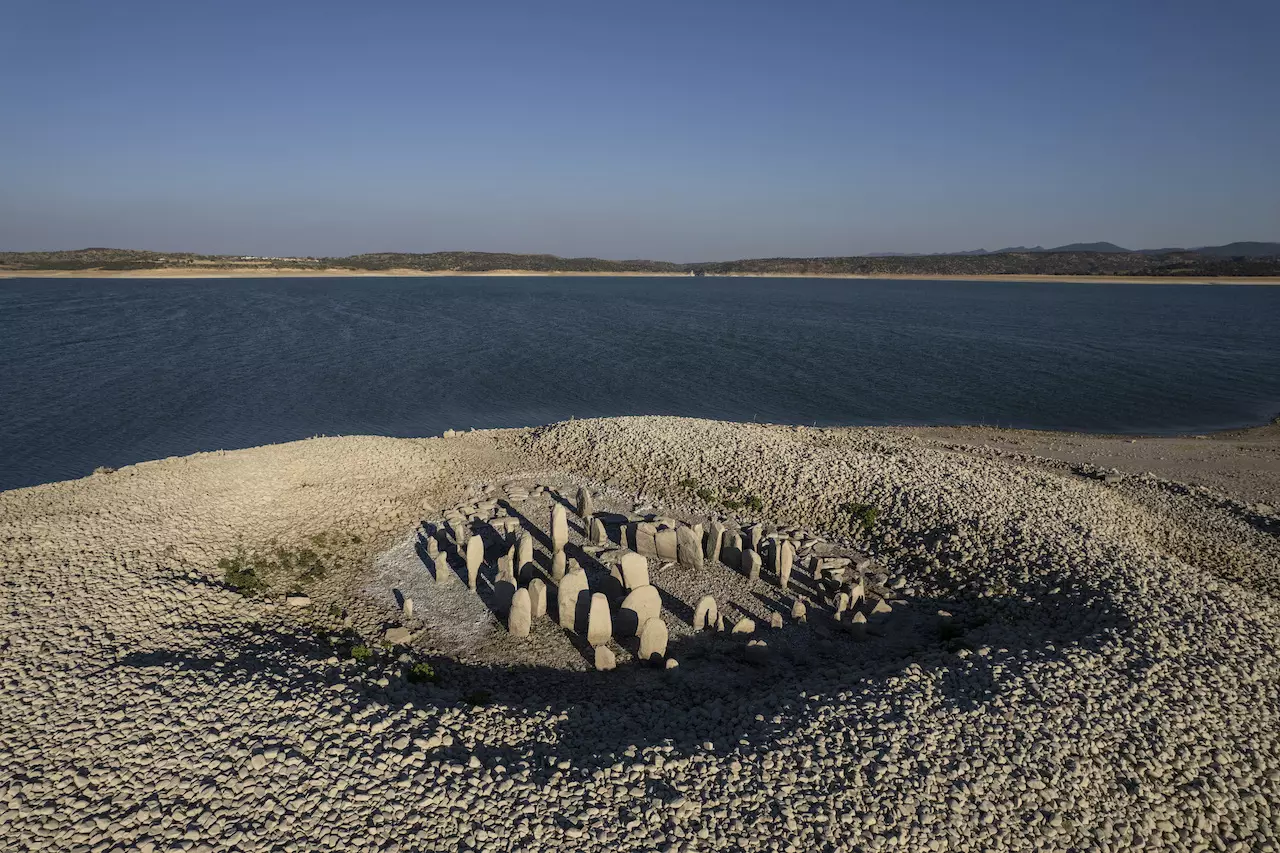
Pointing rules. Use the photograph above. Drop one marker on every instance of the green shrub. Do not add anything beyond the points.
(706, 495)
(240, 573)
(753, 503)
(422, 672)
(864, 515)
(688, 483)
(360, 654)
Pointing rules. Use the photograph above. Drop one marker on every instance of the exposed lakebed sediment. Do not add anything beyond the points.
(1108, 679)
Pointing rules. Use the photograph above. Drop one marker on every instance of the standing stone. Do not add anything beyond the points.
(646, 538)
(842, 603)
(586, 506)
(641, 604)
(537, 598)
(572, 586)
(799, 612)
(859, 625)
(745, 625)
(507, 562)
(475, 556)
(881, 607)
(521, 615)
(459, 531)
(599, 620)
(524, 550)
(751, 564)
(786, 559)
(605, 659)
(715, 536)
(666, 544)
(557, 566)
(635, 570)
(433, 547)
(775, 619)
(559, 527)
(408, 608)
(705, 614)
(653, 640)
(504, 592)
(599, 536)
(857, 592)
(731, 548)
(688, 548)
(815, 567)
(754, 533)
(444, 574)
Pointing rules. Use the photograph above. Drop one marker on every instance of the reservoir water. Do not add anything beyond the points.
(115, 371)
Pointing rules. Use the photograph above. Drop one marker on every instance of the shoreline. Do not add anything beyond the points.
(232, 272)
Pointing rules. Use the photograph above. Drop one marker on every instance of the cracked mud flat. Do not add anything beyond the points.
(1109, 682)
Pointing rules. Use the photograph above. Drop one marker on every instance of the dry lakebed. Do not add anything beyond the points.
(650, 633)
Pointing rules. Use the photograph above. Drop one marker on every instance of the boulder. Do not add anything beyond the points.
(688, 548)
(799, 613)
(559, 527)
(745, 626)
(750, 564)
(398, 636)
(641, 604)
(537, 591)
(605, 659)
(300, 600)
(521, 616)
(705, 614)
(653, 640)
(666, 544)
(635, 570)
(712, 542)
(775, 619)
(599, 620)
(572, 590)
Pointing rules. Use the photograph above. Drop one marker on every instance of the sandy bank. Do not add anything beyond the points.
(1108, 676)
(237, 272)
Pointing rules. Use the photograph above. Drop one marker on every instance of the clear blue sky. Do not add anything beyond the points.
(691, 130)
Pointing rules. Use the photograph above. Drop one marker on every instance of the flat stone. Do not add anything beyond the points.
(398, 636)
(298, 600)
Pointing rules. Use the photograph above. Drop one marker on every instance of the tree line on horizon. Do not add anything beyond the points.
(1210, 261)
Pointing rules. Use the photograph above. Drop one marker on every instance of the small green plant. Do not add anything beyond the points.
(335, 612)
(360, 654)
(688, 483)
(478, 697)
(706, 495)
(863, 515)
(753, 503)
(421, 672)
(240, 573)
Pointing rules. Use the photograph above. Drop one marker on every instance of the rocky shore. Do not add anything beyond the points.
(1076, 647)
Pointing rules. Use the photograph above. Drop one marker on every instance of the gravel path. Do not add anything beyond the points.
(1108, 678)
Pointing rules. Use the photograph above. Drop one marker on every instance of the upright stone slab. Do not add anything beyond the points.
(537, 598)
(586, 506)
(408, 608)
(641, 604)
(433, 546)
(666, 544)
(459, 531)
(647, 538)
(705, 614)
(842, 603)
(524, 550)
(568, 596)
(754, 534)
(731, 549)
(714, 538)
(635, 570)
(521, 616)
(475, 556)
(559, 527)
(444, 574)
(653, 640)
(688, 548)
(786, 559)
(599, 620)
(599, 536)
(557, 566)
(507, 562)
(751, 564)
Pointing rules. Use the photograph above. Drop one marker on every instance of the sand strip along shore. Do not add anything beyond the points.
(1108, 677)
(238, 272)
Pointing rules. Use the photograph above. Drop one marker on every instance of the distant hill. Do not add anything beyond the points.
(1233, 259)
(1088, 247)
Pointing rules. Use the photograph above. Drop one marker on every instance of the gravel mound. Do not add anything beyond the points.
(1107, 679)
